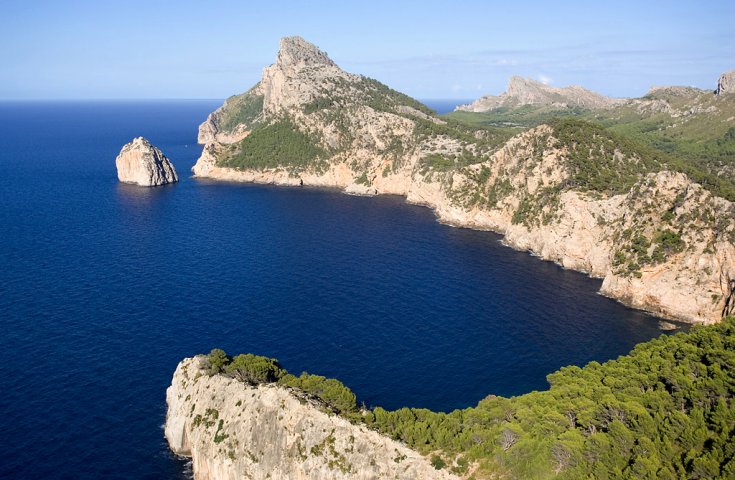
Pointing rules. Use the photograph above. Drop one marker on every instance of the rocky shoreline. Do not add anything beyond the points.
(543, 243)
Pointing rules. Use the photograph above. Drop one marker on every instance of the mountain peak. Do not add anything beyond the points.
(518, 80)
(521, 86)
(297, 52)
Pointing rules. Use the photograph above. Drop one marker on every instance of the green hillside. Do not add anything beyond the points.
(693, 125)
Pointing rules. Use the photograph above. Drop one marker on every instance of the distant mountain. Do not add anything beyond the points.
(524, 91)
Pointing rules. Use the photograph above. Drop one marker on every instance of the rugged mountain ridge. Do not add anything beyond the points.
(525, 91)
(566, 192)
(232, 430)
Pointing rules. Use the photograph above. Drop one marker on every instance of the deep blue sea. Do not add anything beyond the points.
(442, 106)
(104, 287)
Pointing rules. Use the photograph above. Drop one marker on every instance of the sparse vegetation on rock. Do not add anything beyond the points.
(666, 410)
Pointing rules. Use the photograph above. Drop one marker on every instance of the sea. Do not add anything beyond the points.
(105, 287)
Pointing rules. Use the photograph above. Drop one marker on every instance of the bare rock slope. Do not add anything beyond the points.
(143, 164)
(235, 431)
(570, 192)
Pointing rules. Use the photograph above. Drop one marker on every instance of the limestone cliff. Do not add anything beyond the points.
(235, 431)
(143, 164)
(569, 193)
(726, 83)
(524, 91)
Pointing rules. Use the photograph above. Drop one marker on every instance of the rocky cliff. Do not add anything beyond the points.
(524, 91)
(143, 164)
(567, 192)
(233, 431)
(726, 83)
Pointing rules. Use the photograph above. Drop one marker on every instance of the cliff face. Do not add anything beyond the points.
(524, 91)
(618, 238)
(235, 431)
(141, 163)
(726, 83)
(662, 243)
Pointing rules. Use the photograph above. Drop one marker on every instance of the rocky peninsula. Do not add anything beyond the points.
(143, 164)
(567, 191)
(662, 411)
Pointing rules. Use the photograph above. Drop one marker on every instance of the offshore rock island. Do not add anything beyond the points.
(143, 164)
(660, 232)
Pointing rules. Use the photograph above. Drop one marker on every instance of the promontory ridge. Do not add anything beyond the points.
(658, 228)
(663, 411)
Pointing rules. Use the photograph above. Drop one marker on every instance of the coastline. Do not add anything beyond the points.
(430, 195)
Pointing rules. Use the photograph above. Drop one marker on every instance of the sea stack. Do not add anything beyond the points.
(143, 164)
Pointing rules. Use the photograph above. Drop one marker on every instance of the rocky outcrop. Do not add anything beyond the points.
(726, 83)
(235, 431)
(524, 91)
(674, 91)
(295, 52)
(143, 164)
(666, 245)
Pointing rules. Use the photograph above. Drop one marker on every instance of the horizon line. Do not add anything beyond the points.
(159, 99)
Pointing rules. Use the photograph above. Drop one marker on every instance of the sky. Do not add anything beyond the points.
(75, 49)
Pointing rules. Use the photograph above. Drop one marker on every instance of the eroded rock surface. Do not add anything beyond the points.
(235, 431)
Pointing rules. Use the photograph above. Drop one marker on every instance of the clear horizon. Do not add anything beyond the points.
(81, 50)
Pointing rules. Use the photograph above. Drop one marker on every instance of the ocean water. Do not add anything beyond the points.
(442, 106)
(104, 287)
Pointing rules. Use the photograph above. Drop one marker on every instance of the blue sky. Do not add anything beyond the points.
(428, 49)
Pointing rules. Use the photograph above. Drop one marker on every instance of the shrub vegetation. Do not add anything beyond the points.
(702, 145)
(666, 410)
(241, 109)
(278, 144)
